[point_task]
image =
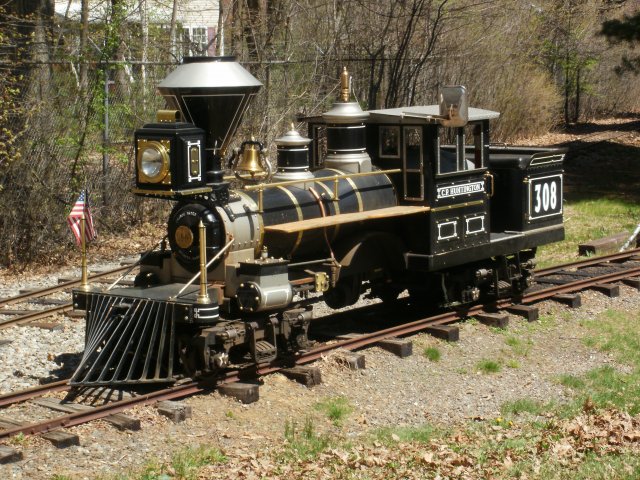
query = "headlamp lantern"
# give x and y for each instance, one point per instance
(169, 158)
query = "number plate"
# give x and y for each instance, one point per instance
(545, 196)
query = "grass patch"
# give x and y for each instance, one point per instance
(18, 439)
(421, 434)
(305, 443)
(524, 405)
(336, 408)
(184, 464)
(512, 363)
(488, 366)
(571, 381)
(589, 219)
(616, 333)
(432, 354)
(519, 347)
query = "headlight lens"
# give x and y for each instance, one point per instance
(153, 161)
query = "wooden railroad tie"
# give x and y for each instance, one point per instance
(176, 411)
(528, 312)
(572, 300)
(307, 376)
(604, 245)
(242, 391)
(398, 346)
(9, 455)
(48, 301)
(632, 282)
(353, 360)
(450, 333)
(609, 289)
(59, 438)
(497, 320)
(15, 312)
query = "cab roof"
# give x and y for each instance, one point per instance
(424, 113)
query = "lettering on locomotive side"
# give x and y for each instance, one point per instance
(460, 189)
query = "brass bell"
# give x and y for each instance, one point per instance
(250, 162)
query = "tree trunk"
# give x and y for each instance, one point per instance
(172, 30)
(576, 114)
(144, 22)
(82, 49)
(220, 32)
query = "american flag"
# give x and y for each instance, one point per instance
(74, 219)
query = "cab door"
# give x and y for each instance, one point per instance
(413, 163)
(461, 194)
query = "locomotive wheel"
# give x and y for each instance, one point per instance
(386, 293)
(345, 293)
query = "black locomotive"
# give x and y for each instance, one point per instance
(406, 198)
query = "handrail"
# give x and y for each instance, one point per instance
(136, 264)
(209, 263)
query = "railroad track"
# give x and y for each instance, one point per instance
(52, 306)
(575, 277)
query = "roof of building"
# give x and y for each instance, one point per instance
(190, 12)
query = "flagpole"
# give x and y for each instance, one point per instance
(84, 283)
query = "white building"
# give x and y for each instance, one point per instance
(197, 20)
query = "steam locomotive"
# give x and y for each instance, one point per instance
(403, 198)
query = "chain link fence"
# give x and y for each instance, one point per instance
(68, 136)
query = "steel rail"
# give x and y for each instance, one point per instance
(57, 288)
(588, 262)
(35, 315)
(581, 284)
(12, 398)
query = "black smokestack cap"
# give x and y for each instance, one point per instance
(213, 93)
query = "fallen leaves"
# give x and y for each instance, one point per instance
(478, 454)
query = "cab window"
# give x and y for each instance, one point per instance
(461, 149)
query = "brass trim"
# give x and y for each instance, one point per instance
(336, 206)
(457, 205)
(250, 188)
(203, 296)
(168, 116)
(345, 87)
(358, 194)
(493, 184)
(163, 147)
(184, 236)
(300, 218)
(169, 193)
